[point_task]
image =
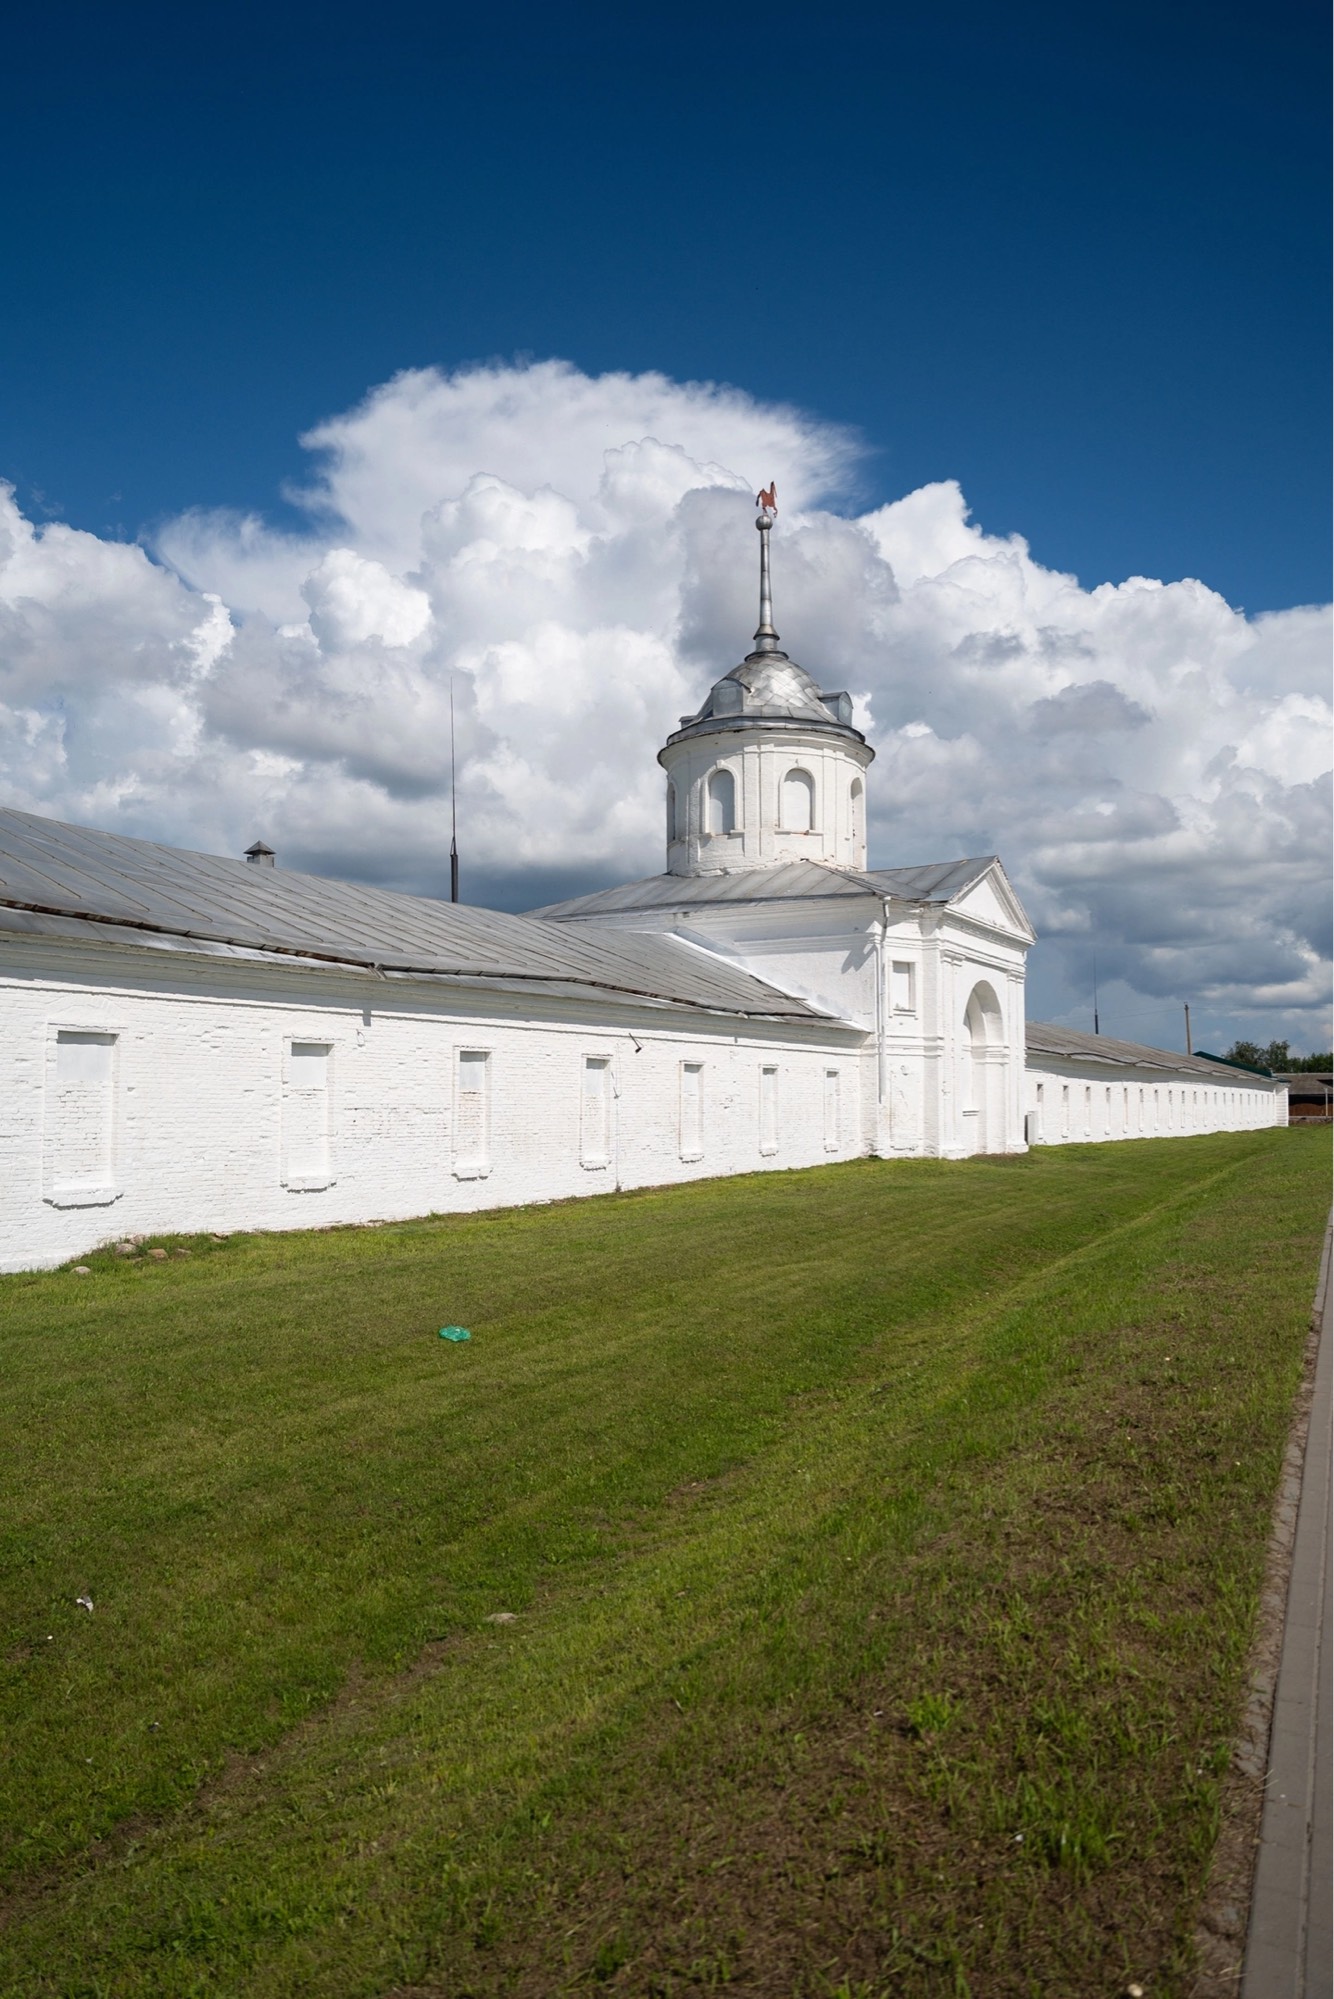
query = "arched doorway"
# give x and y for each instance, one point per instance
(982, 1072)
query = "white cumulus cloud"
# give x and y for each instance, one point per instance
(572, 557)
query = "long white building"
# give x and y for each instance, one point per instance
(192, 1042)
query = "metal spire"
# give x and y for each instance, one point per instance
(766, 638)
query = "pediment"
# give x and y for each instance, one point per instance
(991, 901)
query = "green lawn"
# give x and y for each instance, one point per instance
(881, 1545)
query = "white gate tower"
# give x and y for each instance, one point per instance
(770, 769)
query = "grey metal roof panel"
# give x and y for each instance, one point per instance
(67, 872)
(1044, 1038)
(783, 881)
(935, 881)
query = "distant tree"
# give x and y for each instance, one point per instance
(1277, 1056)
(1246, 1051)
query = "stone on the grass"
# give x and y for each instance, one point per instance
(159, 1255)
(503, 1617)
(82, 1270)
(126, 1249)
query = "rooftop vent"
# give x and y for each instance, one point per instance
(260, 855)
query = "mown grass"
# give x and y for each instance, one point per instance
(881, 1542)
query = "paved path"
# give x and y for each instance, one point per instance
(1289, 1945)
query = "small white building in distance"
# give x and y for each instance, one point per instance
(194, 1043)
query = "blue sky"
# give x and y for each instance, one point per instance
(1073, 257)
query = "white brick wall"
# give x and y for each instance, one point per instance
(1072, 1104)
(212, 1128)
(195, 1115)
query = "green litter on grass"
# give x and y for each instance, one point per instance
(455, 1333)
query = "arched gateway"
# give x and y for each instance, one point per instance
(982, 1078)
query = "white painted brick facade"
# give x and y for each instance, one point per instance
(201, 1097)
(1076, 1104)
(153, 1091)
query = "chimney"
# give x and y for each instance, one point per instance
(260, 855)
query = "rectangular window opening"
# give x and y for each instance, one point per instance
(472, 1113)
(79, 1140)
(901, 986)
(832, 1111)
(768, 1109)
(307, 1138)
(595, 1113)
(692, 1110)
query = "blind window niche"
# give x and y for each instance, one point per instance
(79, 1167)
(857, 812)
(901, 998)
(768, 1110)
(721, 803)
(307, 1135)
(1040, 1113)
(832, 1110)
(595, 1112)
(472, 1113)
(692, 1110)
(797, 804)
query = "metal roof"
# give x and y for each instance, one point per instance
(782, 882)
(1043, 1038)
(769, 687)
(142, 892)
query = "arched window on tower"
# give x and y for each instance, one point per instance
(798, 802)
(672, 833)
(857, 800)
(722, 802)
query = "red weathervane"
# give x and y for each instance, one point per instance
(768, 499)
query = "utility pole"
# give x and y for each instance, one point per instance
(1096, 1028)
(1189, 1049)
(453, 807)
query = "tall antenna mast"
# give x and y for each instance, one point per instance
(453, 806)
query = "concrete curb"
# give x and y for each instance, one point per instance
(1289, 1938)
(1252, 1904)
